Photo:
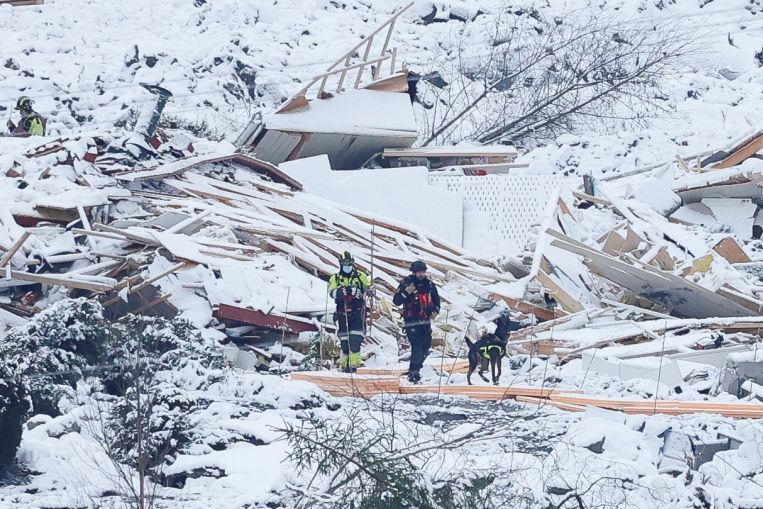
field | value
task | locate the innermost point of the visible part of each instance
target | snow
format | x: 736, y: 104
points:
x: 403, y: 194
x: 737, y: 214
x: 245, y: 478
x: 695, y: 213
x: 177, y: 166
x: 445, y: 151
x: 356, y: 112
x: 77, y: 67
x: 657, y: 195
x: 271, y: 283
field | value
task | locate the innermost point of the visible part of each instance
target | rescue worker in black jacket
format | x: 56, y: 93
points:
x: 421, y: 304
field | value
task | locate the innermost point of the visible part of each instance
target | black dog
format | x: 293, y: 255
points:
x: 489, y: 349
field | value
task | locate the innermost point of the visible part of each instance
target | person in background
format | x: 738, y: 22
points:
x: 31, y: 123
x: 348, y: 289
x: 418, y: 296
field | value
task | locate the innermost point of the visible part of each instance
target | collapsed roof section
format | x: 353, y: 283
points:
x: 355, y: 109
x: 349, y: 128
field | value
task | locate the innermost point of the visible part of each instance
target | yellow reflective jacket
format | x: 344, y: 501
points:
x: 344, y: 300
x: 33, y: 125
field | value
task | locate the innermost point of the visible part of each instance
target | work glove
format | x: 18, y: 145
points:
x: 356, y: 292
x: 410, y: 288
x: 433, y: 315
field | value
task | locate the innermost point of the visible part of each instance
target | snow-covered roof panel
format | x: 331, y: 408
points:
x: 453, y: 151
x: 358, y: 112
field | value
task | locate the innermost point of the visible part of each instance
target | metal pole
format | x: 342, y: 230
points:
x: 442, y: 355
x: 371, y: 289
x: 323, y: 335
x: 283, y: 329
x: 659, y: 371
x: 347, y: 331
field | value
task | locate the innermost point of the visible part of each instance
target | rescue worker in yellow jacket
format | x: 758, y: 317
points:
x: 348, y: 289
x: 31, y: 123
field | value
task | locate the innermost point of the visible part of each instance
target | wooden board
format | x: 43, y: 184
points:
x: 731, y: 251
x: 528, y: 308
x: 484, y: 392
x: 14, y: 249
x: 649, y: 407
x: 448, y: 366
x: 554, y: 288
x: 279, y: 321
x: 361, y: 385
x: 62, y: 280
x: 741, y: 152
x: 342, y: 384
x: 550, y: 402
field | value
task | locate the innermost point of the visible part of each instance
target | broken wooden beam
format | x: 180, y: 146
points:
x: 740, y: 153
x: 102, y: 285
x: 279, y: 321
x: 13, y: 249
x: 540, y: 313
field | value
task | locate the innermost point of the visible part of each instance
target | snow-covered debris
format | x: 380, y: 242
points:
x: 181, y: 226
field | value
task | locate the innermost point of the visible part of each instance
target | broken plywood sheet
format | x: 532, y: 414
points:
x: 355, y: 112
x: 555, y: 289
x: 274, y: 320
x: 729, y: 249
x: 627, y: 241
x: 737, y: 214
x: 662, y: 369
x: 694, y: 213
x: 354, y: 126
x: 659, y: 257
x: 183, y: 247
x: 741, y: 152
x: 682, y: 297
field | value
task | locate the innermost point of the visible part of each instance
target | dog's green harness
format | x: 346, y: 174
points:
x: 486, y: 350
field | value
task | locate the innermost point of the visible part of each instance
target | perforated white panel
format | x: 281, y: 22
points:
x: 515, y: 203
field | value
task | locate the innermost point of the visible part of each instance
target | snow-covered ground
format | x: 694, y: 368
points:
x: 82, y: 62
x: 225, y: 61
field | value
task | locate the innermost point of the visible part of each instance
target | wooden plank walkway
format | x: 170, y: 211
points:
x: 388, y: 382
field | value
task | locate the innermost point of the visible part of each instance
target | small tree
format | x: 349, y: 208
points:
x: 14, y: 409
x: 149, y: 421
x: 42, y: 359
x: 373, y: 456
x: 544, y: 77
